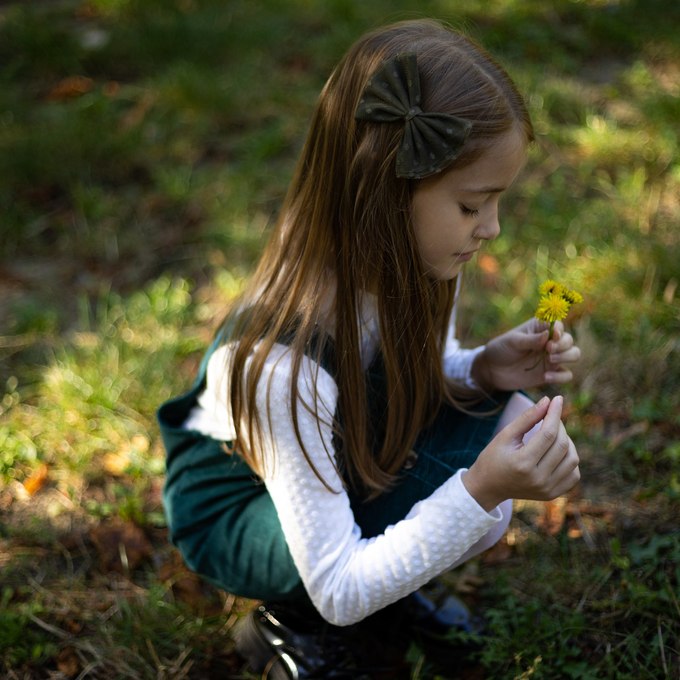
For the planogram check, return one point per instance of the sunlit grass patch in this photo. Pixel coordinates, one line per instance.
(99, 393)
(603, 144)
(112, 627)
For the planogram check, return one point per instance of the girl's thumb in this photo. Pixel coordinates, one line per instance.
(535, 340)
(525, 421)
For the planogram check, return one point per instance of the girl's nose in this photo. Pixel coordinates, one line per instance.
(489, 227)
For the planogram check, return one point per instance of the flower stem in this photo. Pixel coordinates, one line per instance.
(550, 333)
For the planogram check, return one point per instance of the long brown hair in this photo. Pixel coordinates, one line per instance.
(346, 219)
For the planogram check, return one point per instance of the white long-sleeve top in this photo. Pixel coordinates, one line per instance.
(346, 576)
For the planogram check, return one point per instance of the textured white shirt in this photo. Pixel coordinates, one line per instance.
(347, 577)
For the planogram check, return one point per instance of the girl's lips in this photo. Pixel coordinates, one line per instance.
(464, 257)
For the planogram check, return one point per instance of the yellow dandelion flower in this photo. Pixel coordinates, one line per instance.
(552, 307)
(549, 286)
(572, 297)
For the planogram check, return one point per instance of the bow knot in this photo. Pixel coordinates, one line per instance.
(431, 141)
(412, 112)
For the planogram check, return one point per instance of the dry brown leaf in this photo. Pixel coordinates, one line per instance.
(553, 516)
(36, 480)
(71, 87)
(121, 546)
(68, 662)
(188, 587)
(74, 627)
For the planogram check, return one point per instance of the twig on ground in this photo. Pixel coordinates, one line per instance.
(592, 590)
(587, 536)
(661, 649)
(62, 635)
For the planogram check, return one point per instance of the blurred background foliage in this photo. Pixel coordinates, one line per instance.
(145, 147)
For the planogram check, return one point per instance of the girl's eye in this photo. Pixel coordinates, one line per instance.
(470, 212)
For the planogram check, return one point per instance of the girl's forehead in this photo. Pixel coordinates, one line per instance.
(495, 170)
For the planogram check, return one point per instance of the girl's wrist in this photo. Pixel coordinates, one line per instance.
(479, 491)
(480, 373)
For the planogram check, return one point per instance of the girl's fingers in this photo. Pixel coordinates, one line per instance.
(541, 443)
(516, 430)
(569, 356)
(568, 464)
(530, 342)
(553, 457)
(558, 377)
(561, 344)
(567, 475)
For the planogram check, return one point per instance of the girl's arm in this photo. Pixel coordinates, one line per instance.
(348, 577)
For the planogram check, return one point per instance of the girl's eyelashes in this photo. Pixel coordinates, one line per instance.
(470, 212)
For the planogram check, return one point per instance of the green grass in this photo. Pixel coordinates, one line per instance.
(145, 147)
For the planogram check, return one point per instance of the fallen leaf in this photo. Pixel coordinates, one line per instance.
(36, 480)
(70, 88)
(68, 662)
(74, 627)
(553, 516)
(188, 587)
(121, 546)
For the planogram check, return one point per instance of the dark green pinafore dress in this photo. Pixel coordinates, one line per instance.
(223, 521)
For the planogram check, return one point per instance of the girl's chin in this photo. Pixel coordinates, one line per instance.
(441, 274)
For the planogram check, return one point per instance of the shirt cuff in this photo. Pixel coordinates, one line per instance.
(496, 514)
(458, 366)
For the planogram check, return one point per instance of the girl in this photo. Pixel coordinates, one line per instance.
(339, 449)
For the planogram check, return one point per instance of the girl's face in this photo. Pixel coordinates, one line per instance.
(456, 211)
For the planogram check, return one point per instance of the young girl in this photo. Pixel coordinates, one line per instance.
(339, 449)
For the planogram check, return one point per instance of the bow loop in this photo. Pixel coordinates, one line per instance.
(431, 141)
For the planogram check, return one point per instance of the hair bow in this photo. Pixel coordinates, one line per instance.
(431, 141)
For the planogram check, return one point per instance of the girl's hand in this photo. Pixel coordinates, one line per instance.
(542, 469)
(525, 357)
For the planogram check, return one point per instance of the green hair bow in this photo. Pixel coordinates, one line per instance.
(431, 141)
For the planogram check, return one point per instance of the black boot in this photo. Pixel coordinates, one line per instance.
(441, 625)
(440, 614)
(284, 644)
(447, 632)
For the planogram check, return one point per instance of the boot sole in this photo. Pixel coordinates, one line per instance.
(254, 648)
